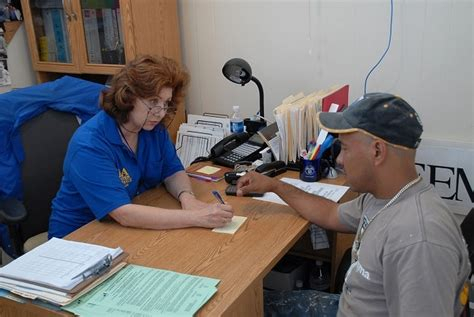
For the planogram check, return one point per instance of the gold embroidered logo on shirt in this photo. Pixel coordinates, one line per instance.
(124, 177)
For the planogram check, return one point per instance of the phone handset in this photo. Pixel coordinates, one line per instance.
(228, 143)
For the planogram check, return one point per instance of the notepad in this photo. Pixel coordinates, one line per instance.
(208, 173)
(231, 227)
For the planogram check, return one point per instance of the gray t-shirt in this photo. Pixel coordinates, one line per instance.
(412, 259)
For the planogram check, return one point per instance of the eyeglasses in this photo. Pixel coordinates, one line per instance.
(157, 106)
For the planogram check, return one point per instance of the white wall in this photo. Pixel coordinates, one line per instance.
(306, 45)
(19, 60)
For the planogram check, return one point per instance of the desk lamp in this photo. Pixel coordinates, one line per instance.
(239, 71)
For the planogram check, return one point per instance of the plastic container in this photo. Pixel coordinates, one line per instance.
(319, 277)
(236, 121)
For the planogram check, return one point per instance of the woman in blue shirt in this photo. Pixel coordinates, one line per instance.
(124, 150)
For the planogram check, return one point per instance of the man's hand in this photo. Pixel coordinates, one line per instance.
(253, 182)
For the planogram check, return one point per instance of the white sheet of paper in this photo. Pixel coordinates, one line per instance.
(231, 227)
(329, 191)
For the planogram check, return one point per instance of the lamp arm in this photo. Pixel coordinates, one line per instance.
(260, 91)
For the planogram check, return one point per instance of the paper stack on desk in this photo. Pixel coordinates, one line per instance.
(143, 291)
(59, 271)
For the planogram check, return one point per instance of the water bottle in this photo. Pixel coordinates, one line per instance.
(236, 121)
(298, 285)
(319, 278)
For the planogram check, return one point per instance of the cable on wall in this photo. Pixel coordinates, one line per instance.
(386, 50)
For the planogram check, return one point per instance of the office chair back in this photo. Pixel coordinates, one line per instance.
(45, 139)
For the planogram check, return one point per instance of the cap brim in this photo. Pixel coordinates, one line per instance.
(334, 122)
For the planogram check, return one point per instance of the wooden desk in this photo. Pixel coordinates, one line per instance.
(240, 261)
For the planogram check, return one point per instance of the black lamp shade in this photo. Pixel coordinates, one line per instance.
(238, 71)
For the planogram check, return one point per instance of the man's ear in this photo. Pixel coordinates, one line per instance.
(379, 150)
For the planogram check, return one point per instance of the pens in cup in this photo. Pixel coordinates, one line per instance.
(218, 196)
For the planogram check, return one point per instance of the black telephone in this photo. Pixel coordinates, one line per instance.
(237, 147)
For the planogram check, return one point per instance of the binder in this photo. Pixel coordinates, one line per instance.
(339, 96)
(60, 271)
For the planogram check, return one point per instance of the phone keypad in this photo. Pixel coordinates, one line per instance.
(240, 152)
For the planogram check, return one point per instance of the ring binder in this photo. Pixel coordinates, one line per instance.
(97, 269)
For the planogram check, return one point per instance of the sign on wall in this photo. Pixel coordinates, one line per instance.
(449, 167)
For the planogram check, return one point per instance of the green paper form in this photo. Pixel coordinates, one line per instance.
(141, 292)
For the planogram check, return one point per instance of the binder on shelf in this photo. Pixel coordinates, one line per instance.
(59, 271)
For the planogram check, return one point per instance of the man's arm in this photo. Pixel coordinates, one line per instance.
(316, 209)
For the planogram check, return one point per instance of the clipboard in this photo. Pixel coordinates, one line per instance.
(105, 272)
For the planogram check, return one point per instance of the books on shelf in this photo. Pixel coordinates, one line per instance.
(60, 271)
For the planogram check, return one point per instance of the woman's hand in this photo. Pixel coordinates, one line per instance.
(214, 215)
(189, 202)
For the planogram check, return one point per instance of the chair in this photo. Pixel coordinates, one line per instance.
(45, 139)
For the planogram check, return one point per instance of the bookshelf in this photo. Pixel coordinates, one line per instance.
(95, 38)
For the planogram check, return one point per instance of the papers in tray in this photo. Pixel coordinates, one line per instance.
(59, 270)
(199, 135)
(297, 122)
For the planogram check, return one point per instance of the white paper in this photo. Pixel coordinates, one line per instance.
(56, 263)
(329, 191)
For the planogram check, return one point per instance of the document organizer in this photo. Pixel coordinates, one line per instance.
(60, 271)
(199, 135)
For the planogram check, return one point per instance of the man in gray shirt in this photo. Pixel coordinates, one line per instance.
(409, 257)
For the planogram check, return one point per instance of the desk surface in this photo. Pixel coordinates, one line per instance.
(240, 261)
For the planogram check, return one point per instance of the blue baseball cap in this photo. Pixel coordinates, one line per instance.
(381, 115)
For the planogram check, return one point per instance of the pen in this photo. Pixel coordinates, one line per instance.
(218, 196)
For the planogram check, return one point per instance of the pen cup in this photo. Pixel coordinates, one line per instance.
(313, 170)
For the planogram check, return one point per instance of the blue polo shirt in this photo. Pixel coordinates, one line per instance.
(102, 174)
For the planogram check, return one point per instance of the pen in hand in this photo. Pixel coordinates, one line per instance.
(218, 196)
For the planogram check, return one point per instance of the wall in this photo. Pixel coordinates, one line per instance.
(296, 45)
(19, 61)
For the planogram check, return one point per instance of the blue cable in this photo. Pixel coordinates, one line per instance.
(386, 50)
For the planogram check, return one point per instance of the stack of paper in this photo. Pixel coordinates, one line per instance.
(59, 270)
(142, 291)
(199, 135)
(296, 119)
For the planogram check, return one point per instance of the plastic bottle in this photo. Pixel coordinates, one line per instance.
(236, 121)
(319, 278)
(298, 285)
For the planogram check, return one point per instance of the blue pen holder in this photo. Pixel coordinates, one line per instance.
(313, 170)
